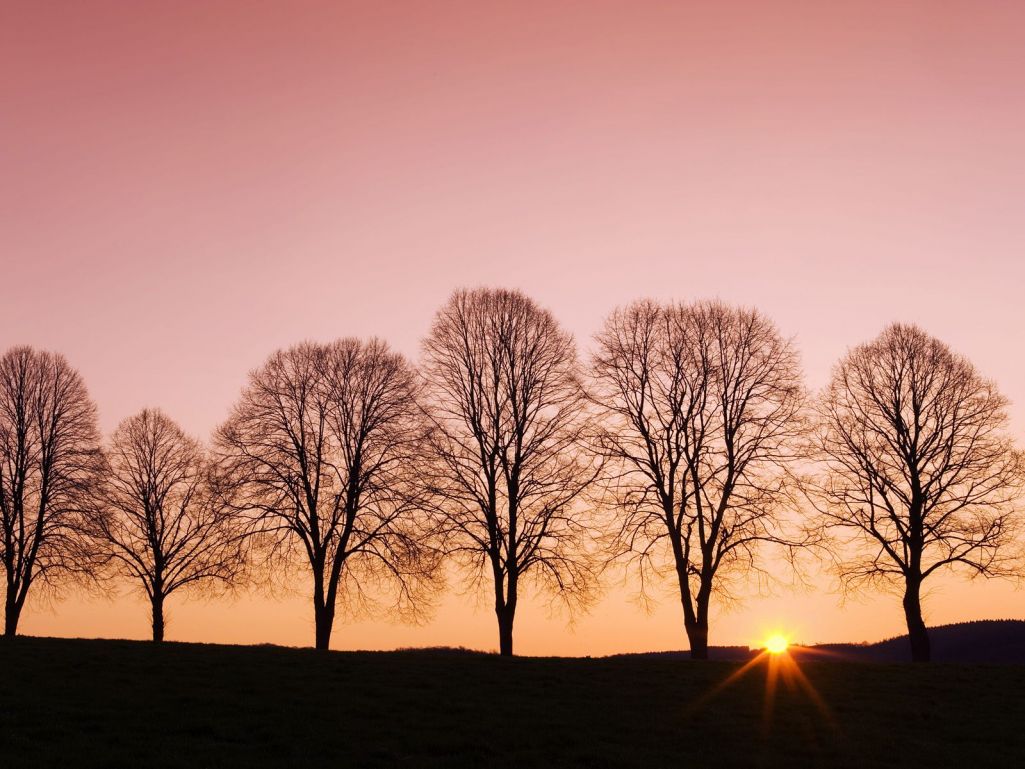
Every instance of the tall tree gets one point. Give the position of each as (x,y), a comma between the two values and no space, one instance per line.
(48,460)
(918,472)
(508,409)
(321,452)
(159,522)
(701,411)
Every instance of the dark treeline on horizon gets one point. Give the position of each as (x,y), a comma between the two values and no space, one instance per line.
(684,448)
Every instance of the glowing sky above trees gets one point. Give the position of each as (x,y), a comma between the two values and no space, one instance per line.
(187,186)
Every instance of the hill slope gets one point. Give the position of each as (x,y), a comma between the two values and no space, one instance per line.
(130,704)
(981,642)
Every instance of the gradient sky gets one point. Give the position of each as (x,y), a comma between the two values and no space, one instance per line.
(185,186)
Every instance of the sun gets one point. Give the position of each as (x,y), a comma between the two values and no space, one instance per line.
(776,644)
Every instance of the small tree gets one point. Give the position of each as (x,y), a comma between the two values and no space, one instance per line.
(509,410)
(48,460)
(918,471)
(321,454)
(159,522)
(701,409)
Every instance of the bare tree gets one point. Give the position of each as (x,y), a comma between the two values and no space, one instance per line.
(918,472)
(48,460)
(158,521)
(322,450)
(701,411)
(508,408)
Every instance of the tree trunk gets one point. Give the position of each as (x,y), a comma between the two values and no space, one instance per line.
(697,634)
(696,624)
(12,613)
(506,616)
(917,633)
(158,618)
(324,618)
(323,608)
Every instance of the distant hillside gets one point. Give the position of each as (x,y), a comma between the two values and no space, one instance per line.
(723,653)
(984,641)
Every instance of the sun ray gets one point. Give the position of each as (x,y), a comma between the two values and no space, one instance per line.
(781,666)
(769,701)
(736,675)
(811,692)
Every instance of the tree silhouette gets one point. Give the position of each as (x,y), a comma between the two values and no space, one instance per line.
(321,455)
(701,411)
(158,521)
(508,409)
(48,461)
(918,474)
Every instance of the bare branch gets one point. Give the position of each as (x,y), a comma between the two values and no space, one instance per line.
(918,473)
(321,455)
(158,519)
(702,410)
(508,410)
(49,457)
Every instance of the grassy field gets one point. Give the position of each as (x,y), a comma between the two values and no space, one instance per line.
(120,703)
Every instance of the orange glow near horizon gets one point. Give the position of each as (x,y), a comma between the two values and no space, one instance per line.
(189,186)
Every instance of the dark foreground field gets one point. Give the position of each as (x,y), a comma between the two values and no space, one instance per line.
(114,703)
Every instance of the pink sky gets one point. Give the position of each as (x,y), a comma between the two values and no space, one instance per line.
(188,185)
